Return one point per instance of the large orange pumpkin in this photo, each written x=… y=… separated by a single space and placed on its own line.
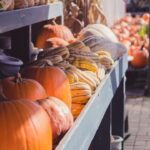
x=50 y=31
x=20 y=88
x=23 y=126
x=140 y=58
x=53 y=80
x=59 y=114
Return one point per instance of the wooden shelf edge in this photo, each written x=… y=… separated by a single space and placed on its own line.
x=11 y=20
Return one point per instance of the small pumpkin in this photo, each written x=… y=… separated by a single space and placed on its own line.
x=51 y=31
x=55 y=42
x=59 y=114
x=19 y=88
x=24 y=125
x=140 y=58
x=53 y=79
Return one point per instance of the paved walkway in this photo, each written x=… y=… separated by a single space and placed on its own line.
x=139 y=124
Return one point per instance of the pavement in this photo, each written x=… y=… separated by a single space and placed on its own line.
x=138 y=109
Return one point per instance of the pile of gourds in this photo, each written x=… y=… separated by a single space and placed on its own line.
x=17 y=4
x=80 y=58
x=51 y=91
x=40 y=111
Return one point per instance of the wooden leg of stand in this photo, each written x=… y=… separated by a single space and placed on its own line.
x=118 y=111
x=102 y=136
x=21 y=43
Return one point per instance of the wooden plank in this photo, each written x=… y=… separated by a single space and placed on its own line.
x=118 y=117
x=86 y=125
x=102 y=137
x=147 y=88
x=21 y=43
x=10 y=20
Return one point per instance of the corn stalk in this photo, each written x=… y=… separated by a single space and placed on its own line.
x=79 y=13
x=95 y=13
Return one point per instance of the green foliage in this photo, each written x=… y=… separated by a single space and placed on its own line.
x=144 y=30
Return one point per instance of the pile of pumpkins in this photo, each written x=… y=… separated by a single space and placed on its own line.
x=17 y=4
x=38 y=117
x=39 y=104
x=133 y=33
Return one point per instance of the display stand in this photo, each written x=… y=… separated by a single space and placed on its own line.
x=104 y=113
x=11 y=20
x=147 y=88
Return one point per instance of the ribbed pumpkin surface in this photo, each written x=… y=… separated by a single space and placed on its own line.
x=59 y=114
x=19 y=88
x=24 y=126
x=53 y=80
x=51 y=31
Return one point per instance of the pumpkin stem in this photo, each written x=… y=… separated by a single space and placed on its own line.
x=42 y=63
x=142 y=46
x=18 y=78
x=2 y=96
x=54 y=22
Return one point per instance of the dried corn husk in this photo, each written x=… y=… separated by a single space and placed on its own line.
x=21 y=4
x=7 y=4
x=95 y=13
x=30 y=3
x=51 y=1
x=37 y=2
x=42 y=2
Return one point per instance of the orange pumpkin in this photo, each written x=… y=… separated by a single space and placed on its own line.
x=50 y=31
x=146 y=17
x=53 y=80
x=55 y=42
x=59 y=114
x=140 y=58
x=20 y=88
x=24 y=126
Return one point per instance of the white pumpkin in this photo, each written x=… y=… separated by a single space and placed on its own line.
x=98 y=30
